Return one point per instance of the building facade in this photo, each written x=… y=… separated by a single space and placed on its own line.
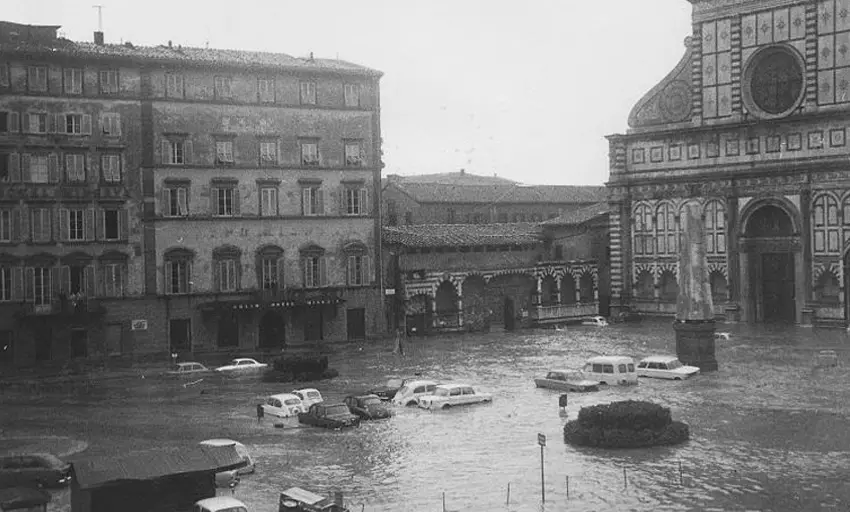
x=161 y=199
x=752 y=123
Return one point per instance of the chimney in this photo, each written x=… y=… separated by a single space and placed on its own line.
x=463 y=172
x=169 y=43
x=98 y=38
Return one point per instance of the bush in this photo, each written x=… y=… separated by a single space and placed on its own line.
x=627 y=424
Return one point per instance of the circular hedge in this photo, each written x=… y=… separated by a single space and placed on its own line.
x=626 y=424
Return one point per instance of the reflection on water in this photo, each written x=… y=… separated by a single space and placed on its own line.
x=769 y=432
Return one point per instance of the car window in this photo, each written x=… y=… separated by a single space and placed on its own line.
x=468 y=391
x=419 y=389
x=402 y=390
x=631 y=368
x=588 y=367
x=672 y=365
x=277 y=403
x=313 y=394
x=441 y=392
x=336 y=409
x=371 y=401
x=663 y=366
x=621 y=368
x=597 y=368
x=430 y=388
x=642 y=365
x=292 y=401
x=12 y=463
x=607 y=368
x=32 y=462
x=454 y=392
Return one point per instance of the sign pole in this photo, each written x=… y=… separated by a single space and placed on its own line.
x=541 y=440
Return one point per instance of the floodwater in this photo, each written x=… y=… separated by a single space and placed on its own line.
x=769 y=431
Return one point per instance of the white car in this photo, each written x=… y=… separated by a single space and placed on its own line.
x=450 y=395
x=665 y=367
x=284 y=405
x=243 y=364
x=308 y=396
x=240 y=449
x=409 y=394
x=598 y=321
x=188 y=369
x=219 y=504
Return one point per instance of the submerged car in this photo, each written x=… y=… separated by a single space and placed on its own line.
x=219 y=504
x=309 y=396
x=243 y=365
x=408 y=395
x=565 y=380
x=33 y=470
x=611 y=370
x=284 y=405
x=598 y=321
x=451 y=395
x=368 y=407
x=329 y=416
x=665 y=367
x=240 y=449
x=188 y=369
x=388 y=391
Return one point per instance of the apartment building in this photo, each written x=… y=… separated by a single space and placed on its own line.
x=160 y=199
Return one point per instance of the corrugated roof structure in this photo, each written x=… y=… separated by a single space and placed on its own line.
x=155 y=464
x=462 y=235
x=579 y=216
x=444 y=193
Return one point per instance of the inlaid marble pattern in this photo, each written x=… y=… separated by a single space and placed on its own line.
x=833 y=51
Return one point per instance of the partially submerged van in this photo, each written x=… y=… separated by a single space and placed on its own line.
x=611 y=370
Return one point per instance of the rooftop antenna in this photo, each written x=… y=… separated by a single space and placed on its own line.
x=99 y=17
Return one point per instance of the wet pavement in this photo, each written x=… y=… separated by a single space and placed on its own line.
x=769 y=431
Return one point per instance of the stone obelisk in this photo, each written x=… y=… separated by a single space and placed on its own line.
x=694 y=323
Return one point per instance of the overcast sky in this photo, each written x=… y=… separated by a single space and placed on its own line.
x=523 y=89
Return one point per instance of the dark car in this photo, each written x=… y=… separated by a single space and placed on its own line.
x=33 y=469
x=368 y=407
x=388 y=391
x=328 y=416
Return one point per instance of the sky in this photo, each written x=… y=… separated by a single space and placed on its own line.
x=526 y=90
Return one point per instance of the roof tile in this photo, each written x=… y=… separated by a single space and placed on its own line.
x=449 y=193
x=462 y=235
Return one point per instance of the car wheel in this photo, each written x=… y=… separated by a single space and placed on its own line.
x=677 y=378
x=445 y=406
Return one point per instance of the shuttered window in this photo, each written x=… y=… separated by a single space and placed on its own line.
x=356 y=201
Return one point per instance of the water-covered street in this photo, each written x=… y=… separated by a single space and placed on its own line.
x=768 y=431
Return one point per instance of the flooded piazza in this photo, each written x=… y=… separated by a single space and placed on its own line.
x=769 y=430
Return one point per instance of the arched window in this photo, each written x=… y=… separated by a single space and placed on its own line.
x=827 y=289
x=227 y=268
x=715 y=227
x=178 y=271
x=358 y=264
x=642 y=231
x=270 y=264
x=669 y=287
x=718 y=287
x=825 y=225
x=314 y=266
x=666 y=230
x=645 y=285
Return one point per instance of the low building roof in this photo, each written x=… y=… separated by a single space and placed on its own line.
x=462 y=235
x=503 y=194
x=154 y=464
x=450 y=178
x=579 y=216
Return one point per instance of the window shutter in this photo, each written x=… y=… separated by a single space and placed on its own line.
x=53 y=168
x=279 y=153
x=166 y=152
x=367 y=270
x=29 y=284
x=100 y=282
x=15 y=167
x=17 y=283
x=16 y=225
x=349 y=271
x=236 y=201
x=166 y=277
x=116 y=125
x=65 y=280
x=183 y=201
x=304 y=274
x=364 y=201
x=123 y=224
x=216 y=274
x=89 y=224
x=88 y=281
x=55 y=282
x=323 y=272
x=213 y=201
x=187 y=152
x=13 y=122
x=24 y=218
x=234 y=276
x=281 y=265
x=56 y=123
x=305 y=201
x=165 y=202
x=343 y=200
x=25 y=123
x=64 y=227
x=53 y=218
x=320 y=202
x=92 y=167
x=86 y=128
x=25 y=168
x=188 y=277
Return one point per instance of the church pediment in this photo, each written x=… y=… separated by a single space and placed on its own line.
x=670 y=101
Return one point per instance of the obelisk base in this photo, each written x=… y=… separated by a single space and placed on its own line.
x=695 y=344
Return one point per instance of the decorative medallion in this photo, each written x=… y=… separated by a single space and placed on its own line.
x=836 y=137
x=675 y=104
x=712 y=149
x=733 y=147
x=816 y=139
x=675 y=152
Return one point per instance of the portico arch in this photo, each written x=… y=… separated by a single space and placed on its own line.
x=771 y=261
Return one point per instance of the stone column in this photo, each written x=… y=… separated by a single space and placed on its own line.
x=694 y=325
x=577 y=281
x=434 y=318
x=558 y=288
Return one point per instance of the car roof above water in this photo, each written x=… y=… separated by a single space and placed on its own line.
x=658 y=359
x=611 y=359
x=284 y=396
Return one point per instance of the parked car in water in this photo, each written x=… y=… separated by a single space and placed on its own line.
x=598 y=321
x=368 y=407
x=611 y=370
x=23 y=499
x=283 y=405
x=240 y=449
x=243 y=365
x=665 y=367
x=409 y=393
x=296 y=499
x=388 y=391
x=309 y=396
x=220 y=504
x=565 y=380
x=189 y=369
x=329 y=416
x=451 y=395
x=33 y=470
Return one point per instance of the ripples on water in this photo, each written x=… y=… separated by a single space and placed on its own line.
x=768 y=431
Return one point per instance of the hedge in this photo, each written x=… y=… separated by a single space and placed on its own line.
x=629 y=414
x=626 y=424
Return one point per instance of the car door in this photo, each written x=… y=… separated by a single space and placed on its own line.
x=469 y=396
x=664 y=371
x=455 y=396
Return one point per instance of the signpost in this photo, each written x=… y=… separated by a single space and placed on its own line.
x=541 y=440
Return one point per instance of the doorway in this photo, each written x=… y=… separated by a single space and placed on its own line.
x=43 y=342
x=778 y=287
x=79 y=343
x=228 y=331
x=313 y=323
x=356 y=322
x=272 y=330
x=179 y=334
x=510 y=320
